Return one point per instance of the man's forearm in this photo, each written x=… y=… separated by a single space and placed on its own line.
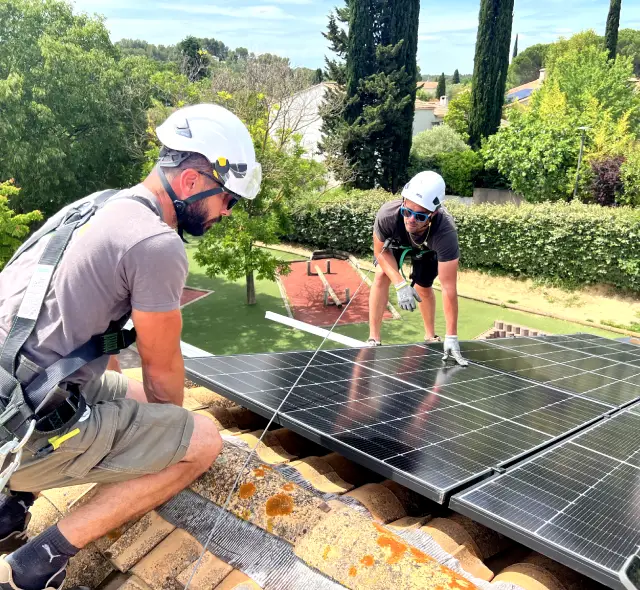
x=388 y=263
x=164 y=385
x=450 y=305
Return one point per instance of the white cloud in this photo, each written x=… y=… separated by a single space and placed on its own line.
x=259 y=12
x=297 y=2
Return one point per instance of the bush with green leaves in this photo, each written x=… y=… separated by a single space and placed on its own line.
x=428 y=144
x=564 y=243
x=13 y=227
x=460 y=170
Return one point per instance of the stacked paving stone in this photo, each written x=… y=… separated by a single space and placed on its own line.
x=358 y=538
x=502 y=329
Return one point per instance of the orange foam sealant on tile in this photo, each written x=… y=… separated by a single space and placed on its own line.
x=258 y=472
x=279 y=505
x=247 y=490
x=368 y=561
x=420 y=556
x=326 y=552
x=288 y=487
x=353 y=571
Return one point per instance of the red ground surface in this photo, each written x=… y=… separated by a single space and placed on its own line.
x=305 y=294
x=189 y=295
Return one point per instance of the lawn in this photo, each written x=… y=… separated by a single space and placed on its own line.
x=222 y=323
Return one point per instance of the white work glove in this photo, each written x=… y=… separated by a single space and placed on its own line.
x=407 y=296
x=452 y=349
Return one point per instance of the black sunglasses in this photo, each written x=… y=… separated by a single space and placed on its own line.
x=233 y=200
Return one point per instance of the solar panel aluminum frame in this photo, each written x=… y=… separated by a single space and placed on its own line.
x=439 y=495
x=520 y=535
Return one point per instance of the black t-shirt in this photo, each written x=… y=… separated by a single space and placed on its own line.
x=442 y=238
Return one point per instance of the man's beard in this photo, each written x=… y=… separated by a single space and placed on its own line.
x=194 y=220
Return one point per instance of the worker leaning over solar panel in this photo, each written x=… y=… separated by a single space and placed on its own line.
x=418 y=227
x=111 y=256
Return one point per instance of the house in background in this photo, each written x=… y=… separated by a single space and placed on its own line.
x=428 y=86
x=522 y=94
x=429 y=114
x=302 y=114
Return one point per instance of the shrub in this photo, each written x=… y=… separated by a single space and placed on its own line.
x=13 y=228
x=568 y=243
x=429 y=144
x=606 y=184
x=459 y=170
x=630 y=174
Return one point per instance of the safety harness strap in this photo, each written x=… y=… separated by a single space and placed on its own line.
x=25 y=320
x=108 y=343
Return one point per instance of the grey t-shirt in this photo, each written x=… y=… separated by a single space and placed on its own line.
x=442 y=238
x=125 y=257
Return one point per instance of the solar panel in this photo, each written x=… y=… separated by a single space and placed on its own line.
x=578 y=502
x=398 y=411
x=593 y=367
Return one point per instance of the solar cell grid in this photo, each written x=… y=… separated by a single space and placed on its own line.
x=578 y=502
x=398 y=410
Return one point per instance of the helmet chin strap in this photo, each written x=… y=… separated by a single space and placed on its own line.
x=181 y=205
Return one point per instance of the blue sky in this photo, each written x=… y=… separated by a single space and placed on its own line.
x=292 y=28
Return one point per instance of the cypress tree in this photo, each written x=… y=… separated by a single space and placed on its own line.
x=456 y=77
x=441 y=90
x=402 y=17
x=613 y=23
x=515 y=49
x=368 y=121
x=490 y=68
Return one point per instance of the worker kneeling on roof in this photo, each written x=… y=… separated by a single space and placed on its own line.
x=419 y=228
x=64 y=299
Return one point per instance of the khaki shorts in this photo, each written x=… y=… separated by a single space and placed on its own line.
x=119 y=439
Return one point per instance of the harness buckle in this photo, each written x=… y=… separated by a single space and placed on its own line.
x=14 y=447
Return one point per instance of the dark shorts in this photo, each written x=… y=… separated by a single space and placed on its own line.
x=424 y=268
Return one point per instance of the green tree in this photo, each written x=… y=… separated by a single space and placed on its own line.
x=490 y=68
x=456 y=77
x=613 y=24
x=73 y=116
x=525 y=67
x=629 y=45
x=13 y=228
x=538 y=150
x=441 y=90
x=457 y=116
x=515 y=48
x=260 y=94
x=430 y=144
x=195 y=59
x=318 y=76
x=367 y=125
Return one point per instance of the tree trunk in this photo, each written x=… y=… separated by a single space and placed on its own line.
x=251 y=290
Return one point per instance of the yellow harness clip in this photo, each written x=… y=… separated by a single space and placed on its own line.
x=56 y=441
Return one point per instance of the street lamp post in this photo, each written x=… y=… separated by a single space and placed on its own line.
x=584 y=131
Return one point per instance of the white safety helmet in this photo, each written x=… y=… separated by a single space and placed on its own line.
x=217 y=134
x=426 y=189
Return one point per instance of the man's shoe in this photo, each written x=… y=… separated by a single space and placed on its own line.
x=373 y=342
x=7 y=583
x=15 y=539
x=436 y=338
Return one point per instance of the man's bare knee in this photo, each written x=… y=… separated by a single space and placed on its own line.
x=205 y=445
x=381 y=280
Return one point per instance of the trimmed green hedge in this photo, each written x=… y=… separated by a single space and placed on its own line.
x=570 y=243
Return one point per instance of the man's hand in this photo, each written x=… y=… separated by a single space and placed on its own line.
x=158 y=342
x=452 y=349
x=407 y=296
